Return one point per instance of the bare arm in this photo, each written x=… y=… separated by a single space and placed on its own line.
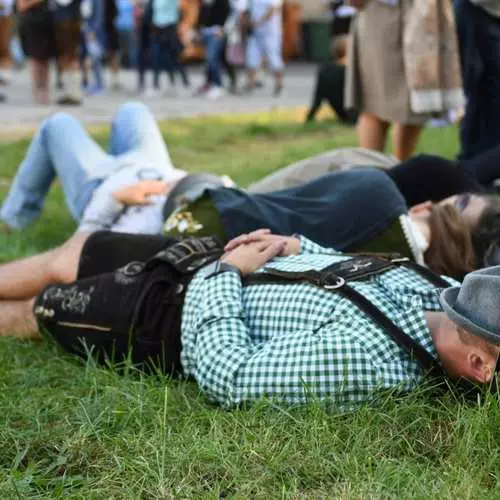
x=24 y=5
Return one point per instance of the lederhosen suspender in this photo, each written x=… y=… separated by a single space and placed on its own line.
x=336 y=278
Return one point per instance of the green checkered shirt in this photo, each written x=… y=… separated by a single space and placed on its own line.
x=296 y=343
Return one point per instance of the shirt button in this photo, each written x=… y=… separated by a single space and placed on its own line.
x=179 y=289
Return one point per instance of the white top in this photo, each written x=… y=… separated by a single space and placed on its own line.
x=104 y=213
x=259 y=8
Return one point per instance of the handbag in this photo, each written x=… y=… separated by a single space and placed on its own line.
x=235 y=53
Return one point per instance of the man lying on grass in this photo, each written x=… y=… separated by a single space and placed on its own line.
x=267 y=317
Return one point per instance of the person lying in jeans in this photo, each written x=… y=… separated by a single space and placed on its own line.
x=358 y=210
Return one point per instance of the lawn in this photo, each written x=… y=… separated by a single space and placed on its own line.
x=72 y=430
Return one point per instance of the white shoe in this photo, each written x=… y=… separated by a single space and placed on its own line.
x=184 y=91
x=152 y=93
x=215 y=93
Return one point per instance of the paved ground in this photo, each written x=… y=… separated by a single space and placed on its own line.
x=19 y=114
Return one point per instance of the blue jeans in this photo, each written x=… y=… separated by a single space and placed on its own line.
x=213 y=53
x=62 y=148
x=479 y=40
x=165 y=54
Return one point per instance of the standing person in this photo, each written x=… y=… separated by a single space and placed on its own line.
x=5 y=34
x=166 y=47
x=478 y=26
x=143 y=13
x=67 y=22
x=265 y=39
x=125 y=26
x=214 y=17
x=93 y=40
x=393 y=78
x=112 y=43
x=36 y=28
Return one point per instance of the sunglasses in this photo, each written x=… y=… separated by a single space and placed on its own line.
x=462 y=201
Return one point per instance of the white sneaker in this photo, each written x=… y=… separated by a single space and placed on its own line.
x=215 y=93
x=152 y=93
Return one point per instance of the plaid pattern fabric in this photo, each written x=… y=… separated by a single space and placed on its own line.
x=296 y=343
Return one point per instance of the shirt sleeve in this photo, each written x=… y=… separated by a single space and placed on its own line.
x=309 y=247
x=298 y=367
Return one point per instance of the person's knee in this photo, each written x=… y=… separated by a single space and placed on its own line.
x=57 y=122
x=132 y=108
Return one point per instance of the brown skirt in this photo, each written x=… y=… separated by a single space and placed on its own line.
x=376 y=81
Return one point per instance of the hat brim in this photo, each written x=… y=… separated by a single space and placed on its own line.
x=448 y=300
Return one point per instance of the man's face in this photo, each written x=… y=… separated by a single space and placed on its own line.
x=461 y=359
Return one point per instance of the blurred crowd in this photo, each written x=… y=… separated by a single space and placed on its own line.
x=86 y=37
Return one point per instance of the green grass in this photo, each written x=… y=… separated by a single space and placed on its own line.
x=72 y=430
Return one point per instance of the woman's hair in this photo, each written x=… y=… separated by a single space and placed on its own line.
x=451 y=251
x=486 y=234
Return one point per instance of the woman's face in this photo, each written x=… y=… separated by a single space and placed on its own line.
x=470 y=206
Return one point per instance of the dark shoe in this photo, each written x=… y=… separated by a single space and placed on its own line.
x=2 y=98
x=69 y=101
x=278 y=90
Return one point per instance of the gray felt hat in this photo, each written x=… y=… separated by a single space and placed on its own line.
x=475 y=306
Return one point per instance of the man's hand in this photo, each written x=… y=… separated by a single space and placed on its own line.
x=248 y=258
x=138 y=194
x=291 y=244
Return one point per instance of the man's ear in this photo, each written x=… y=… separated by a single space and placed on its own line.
x=421 y=207
x=478 y=368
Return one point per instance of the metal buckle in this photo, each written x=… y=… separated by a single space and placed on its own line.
x=339 y=283
x=400 y=259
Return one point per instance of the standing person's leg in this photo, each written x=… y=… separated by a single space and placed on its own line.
x=230 y=69
x=156 y=58
x=114 y=57
x=40 y=78
x=168 y=55
x=213 y=47
x=272 y=45
x=67 y=42
x=178 y=64
x=485 y=167
x=253 y=61
x=372 y=132
x=5 y=62
x=472 y=125
x=61 y=148
x=135 y=130
x=405 y=140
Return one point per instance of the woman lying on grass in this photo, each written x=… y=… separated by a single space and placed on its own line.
x=358 y=210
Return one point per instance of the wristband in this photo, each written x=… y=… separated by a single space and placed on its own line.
x=218 y=267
